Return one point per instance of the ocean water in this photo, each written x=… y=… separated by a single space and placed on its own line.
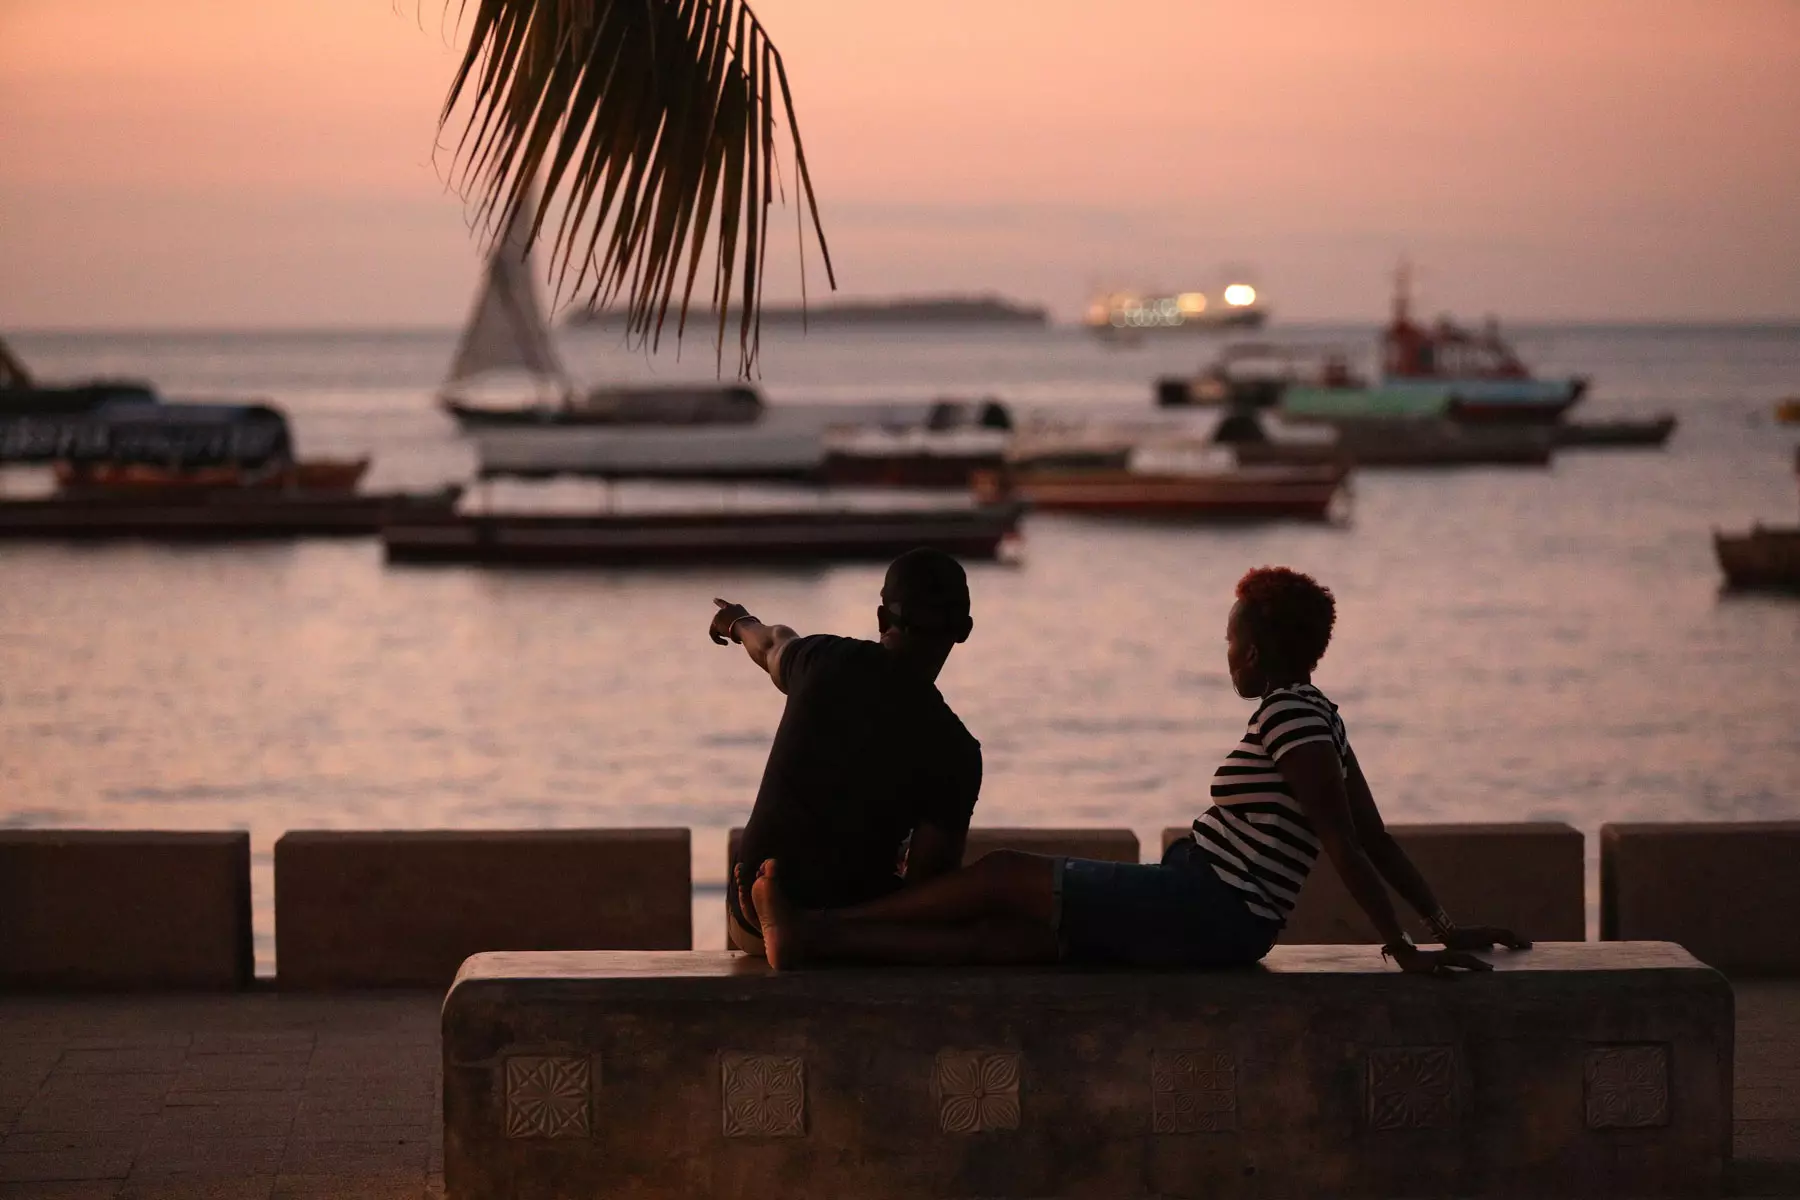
x=1513 y=644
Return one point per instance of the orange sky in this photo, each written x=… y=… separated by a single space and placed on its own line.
x=269 y=162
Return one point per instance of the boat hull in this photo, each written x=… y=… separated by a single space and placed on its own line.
x=1763 y=559
x=654 y=406
x=240 y=514
x=907 y=470
x=1398 y=443
x=1622 y=433
x=1267 y=494
x=322 y=476
x=609 y=539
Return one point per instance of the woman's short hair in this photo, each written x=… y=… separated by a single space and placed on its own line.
x=1289 y=615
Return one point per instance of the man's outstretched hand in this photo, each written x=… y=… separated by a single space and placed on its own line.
x=722 y=621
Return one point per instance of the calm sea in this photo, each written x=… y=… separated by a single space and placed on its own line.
x=1512 y=644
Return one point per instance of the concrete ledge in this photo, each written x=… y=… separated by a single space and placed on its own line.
x=1108 y=845
x=1528 y=877
x=123 y=909
x=1574 y=1070
x=1728 y=891
x=371 y=909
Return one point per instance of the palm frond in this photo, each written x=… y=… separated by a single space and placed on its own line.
x=653 y=123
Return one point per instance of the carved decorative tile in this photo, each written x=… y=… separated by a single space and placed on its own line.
x=977 y=1091
x=1627 y=1086
x=547 y=1096
x=765 y=1095
x=1192 y=1091
x=1412 y=1087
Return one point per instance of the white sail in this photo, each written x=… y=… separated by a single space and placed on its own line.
x=506 y=330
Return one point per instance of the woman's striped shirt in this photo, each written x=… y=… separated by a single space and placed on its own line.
x=1256 y=835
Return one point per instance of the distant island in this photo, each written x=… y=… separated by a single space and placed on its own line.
x=900 y=310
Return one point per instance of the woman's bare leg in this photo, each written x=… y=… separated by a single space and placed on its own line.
x=792 y=937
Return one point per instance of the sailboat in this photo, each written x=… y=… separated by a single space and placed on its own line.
x=507 y=337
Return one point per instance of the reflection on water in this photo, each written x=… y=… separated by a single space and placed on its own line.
x=1513 y=644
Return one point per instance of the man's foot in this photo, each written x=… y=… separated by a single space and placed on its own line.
x=782 y=923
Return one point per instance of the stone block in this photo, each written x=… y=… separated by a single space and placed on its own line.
x=1528 y=877
x=116 y=909
x=373 y=909
x=1574 y=1069
x=1728 y=891
x=1108 y=845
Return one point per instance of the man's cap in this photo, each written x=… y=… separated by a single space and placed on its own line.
x=926 y=590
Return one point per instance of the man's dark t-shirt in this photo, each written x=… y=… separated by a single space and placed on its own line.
x=866 y=751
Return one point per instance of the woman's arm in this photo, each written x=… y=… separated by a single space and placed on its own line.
x=1391 y=861
x=1314 y=776
x=764 y=643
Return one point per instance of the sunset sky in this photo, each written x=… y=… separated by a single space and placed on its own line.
x=248 y=163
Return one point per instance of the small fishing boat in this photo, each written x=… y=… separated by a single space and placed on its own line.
x=216 y=514
x=507 y=341
x=1788 y=411
x=23 y=397
x=1763 y=559
x=1426 y=442
x=1622 y=432
x=318 y=476
x=1248 y=494
x=609 y=539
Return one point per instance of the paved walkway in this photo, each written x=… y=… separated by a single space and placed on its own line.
x=264 y=1095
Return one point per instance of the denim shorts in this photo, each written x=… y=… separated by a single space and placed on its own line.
x=1176 y=913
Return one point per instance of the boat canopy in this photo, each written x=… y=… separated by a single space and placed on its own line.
x=180 y=436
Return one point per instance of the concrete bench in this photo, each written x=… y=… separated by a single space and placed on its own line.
x=1728 y=891
x=1582 y=1069
x=123 y=909
x=1528 y=877
x=1109 y=845
x=370 y=909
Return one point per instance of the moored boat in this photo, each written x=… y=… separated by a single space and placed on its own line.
x=1247 y=494
x=317 y=476
x=506 y=337
x=216 y=514
x=1408 y=443
x=607 y=539
x=1788 y=411
x=1654 y=431
x=1763 y=559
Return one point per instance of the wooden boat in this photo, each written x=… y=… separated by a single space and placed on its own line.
x=1763 y=559
x=1788 y=411
x=607 y=539
x=1623 y=432
x=1248 y=494
x=506 y=335
x=230 y=513
x=1407 y=443
x=927 y=457
x=319 y=476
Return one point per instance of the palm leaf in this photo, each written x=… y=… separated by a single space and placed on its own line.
x=653 y=123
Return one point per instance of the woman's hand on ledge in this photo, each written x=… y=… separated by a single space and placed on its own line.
x=1415 y=961
x=1483 y=937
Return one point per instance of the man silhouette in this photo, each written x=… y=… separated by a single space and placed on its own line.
x=869 y=765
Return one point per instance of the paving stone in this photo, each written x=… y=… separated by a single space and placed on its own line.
x=52 y=1165
x=286 y=1041
x=82 y=1189
x=133 y=1060
x=283 y=1098
x=189 y=1187
x=351 y=1185
x=210 y=1156
x=77 y=1114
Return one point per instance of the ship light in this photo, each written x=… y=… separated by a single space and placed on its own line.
x=1192 y=304
x=1238 y=295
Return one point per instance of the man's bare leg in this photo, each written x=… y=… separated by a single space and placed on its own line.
x=793 y=937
